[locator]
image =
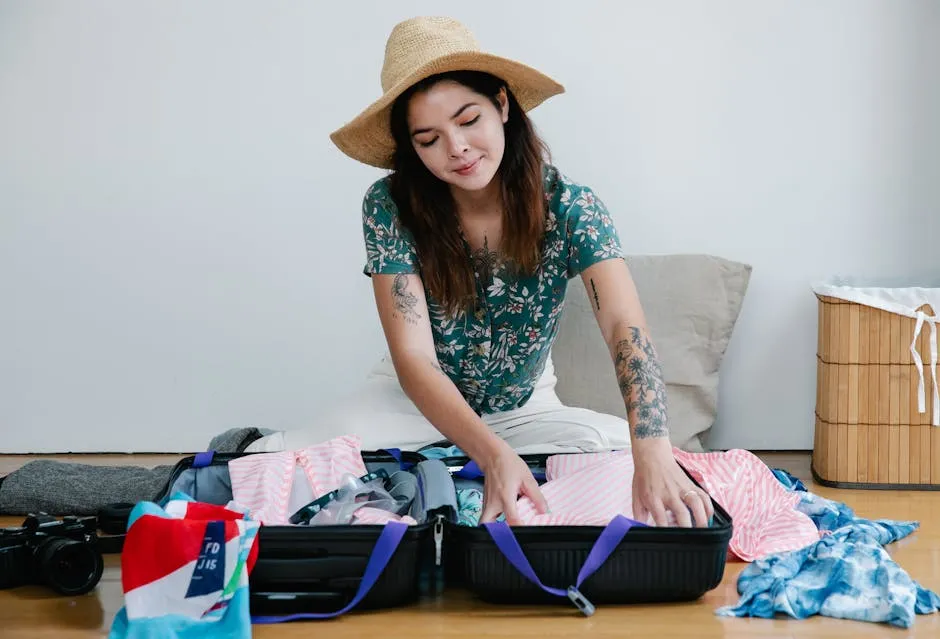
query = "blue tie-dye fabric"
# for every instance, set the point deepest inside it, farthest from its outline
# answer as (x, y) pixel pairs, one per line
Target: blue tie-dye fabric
(846, 574)
(789, 481)
(440, 452)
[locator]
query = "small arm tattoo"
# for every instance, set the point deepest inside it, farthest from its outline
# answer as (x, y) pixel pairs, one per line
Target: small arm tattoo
(597, 301)
(405, 300)
(641, 384)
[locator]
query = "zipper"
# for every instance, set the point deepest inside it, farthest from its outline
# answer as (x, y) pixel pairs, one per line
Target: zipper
(438, 539)
(532, 460)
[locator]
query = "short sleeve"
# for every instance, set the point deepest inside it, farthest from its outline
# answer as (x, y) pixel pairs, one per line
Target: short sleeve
(389, 245)
(591, 234)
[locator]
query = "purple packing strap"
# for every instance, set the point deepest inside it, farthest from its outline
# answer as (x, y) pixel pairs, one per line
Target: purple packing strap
(382, 552)
(471, 470)
(396, 453)
(203, 459)
(606, 543)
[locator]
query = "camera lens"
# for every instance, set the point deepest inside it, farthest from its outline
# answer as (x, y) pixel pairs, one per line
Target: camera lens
(69, 567)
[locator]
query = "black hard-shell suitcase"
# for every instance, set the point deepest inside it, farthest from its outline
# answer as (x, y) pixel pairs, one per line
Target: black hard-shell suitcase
(321, 571)
(646, 564)
(310, 571)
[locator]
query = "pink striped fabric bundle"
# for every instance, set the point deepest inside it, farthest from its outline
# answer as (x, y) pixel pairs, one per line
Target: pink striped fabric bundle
(590, 489)
(586, 489)
(262, 482)
(766, 520)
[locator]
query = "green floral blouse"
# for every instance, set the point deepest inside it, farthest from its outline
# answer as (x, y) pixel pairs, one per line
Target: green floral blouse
(496, 354)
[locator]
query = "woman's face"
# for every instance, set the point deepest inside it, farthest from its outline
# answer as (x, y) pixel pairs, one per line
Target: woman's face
(458, 134)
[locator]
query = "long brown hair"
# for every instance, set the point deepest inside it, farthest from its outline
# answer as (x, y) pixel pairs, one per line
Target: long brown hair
(426, 206)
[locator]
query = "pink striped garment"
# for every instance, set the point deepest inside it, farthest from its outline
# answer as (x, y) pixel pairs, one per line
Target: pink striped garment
(583, 490)
(376, 516)
(589, 489)
(262, 482)
(765, 517)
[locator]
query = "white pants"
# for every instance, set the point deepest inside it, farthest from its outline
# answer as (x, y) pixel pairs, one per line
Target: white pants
(384, 417)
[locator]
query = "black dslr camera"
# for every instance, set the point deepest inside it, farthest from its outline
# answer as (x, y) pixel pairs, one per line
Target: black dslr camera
(62, 554)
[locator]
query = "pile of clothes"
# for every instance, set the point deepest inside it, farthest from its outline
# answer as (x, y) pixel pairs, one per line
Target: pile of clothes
(846, 573)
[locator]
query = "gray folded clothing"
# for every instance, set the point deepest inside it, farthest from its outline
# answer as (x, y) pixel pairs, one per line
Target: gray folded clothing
(67, 488)
(435, 492)
(402, 486)
(236, 440)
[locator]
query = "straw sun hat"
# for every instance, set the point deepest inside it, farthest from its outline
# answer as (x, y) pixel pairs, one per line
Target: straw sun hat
(419, 48)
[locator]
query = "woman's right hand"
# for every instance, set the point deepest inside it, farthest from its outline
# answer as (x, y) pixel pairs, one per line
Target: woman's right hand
(506, 477)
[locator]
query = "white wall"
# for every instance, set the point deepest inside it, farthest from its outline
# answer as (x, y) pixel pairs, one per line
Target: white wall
(180, 248)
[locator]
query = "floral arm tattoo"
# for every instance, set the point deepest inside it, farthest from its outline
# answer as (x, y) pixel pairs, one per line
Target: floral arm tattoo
(405, 300)
(641, 384)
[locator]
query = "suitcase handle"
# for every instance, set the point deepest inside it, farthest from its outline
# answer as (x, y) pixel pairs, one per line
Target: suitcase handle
(385, 547)
(606, 543)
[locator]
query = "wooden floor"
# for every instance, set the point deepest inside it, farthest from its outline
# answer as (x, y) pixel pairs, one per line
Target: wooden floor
(35, 613)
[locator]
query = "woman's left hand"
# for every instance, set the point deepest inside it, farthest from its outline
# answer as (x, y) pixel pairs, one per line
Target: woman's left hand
(660, 485)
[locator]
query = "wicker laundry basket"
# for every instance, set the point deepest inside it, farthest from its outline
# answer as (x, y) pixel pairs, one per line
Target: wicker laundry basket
(876, 398)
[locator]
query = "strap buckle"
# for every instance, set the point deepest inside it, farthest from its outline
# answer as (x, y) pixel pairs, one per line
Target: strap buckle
(580, 601)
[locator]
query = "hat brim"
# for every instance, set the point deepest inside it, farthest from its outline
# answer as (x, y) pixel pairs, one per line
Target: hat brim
(368, 137)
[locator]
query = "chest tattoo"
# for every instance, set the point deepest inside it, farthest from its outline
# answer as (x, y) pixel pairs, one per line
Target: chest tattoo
(485, 262)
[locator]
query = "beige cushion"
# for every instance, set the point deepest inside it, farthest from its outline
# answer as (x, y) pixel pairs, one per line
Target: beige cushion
(691, 303)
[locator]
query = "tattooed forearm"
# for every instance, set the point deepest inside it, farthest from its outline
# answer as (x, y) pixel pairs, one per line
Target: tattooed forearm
(641, 384)
(597, 302)
(405, 300)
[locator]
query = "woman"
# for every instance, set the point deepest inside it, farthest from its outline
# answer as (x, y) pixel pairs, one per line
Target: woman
(470, 242)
